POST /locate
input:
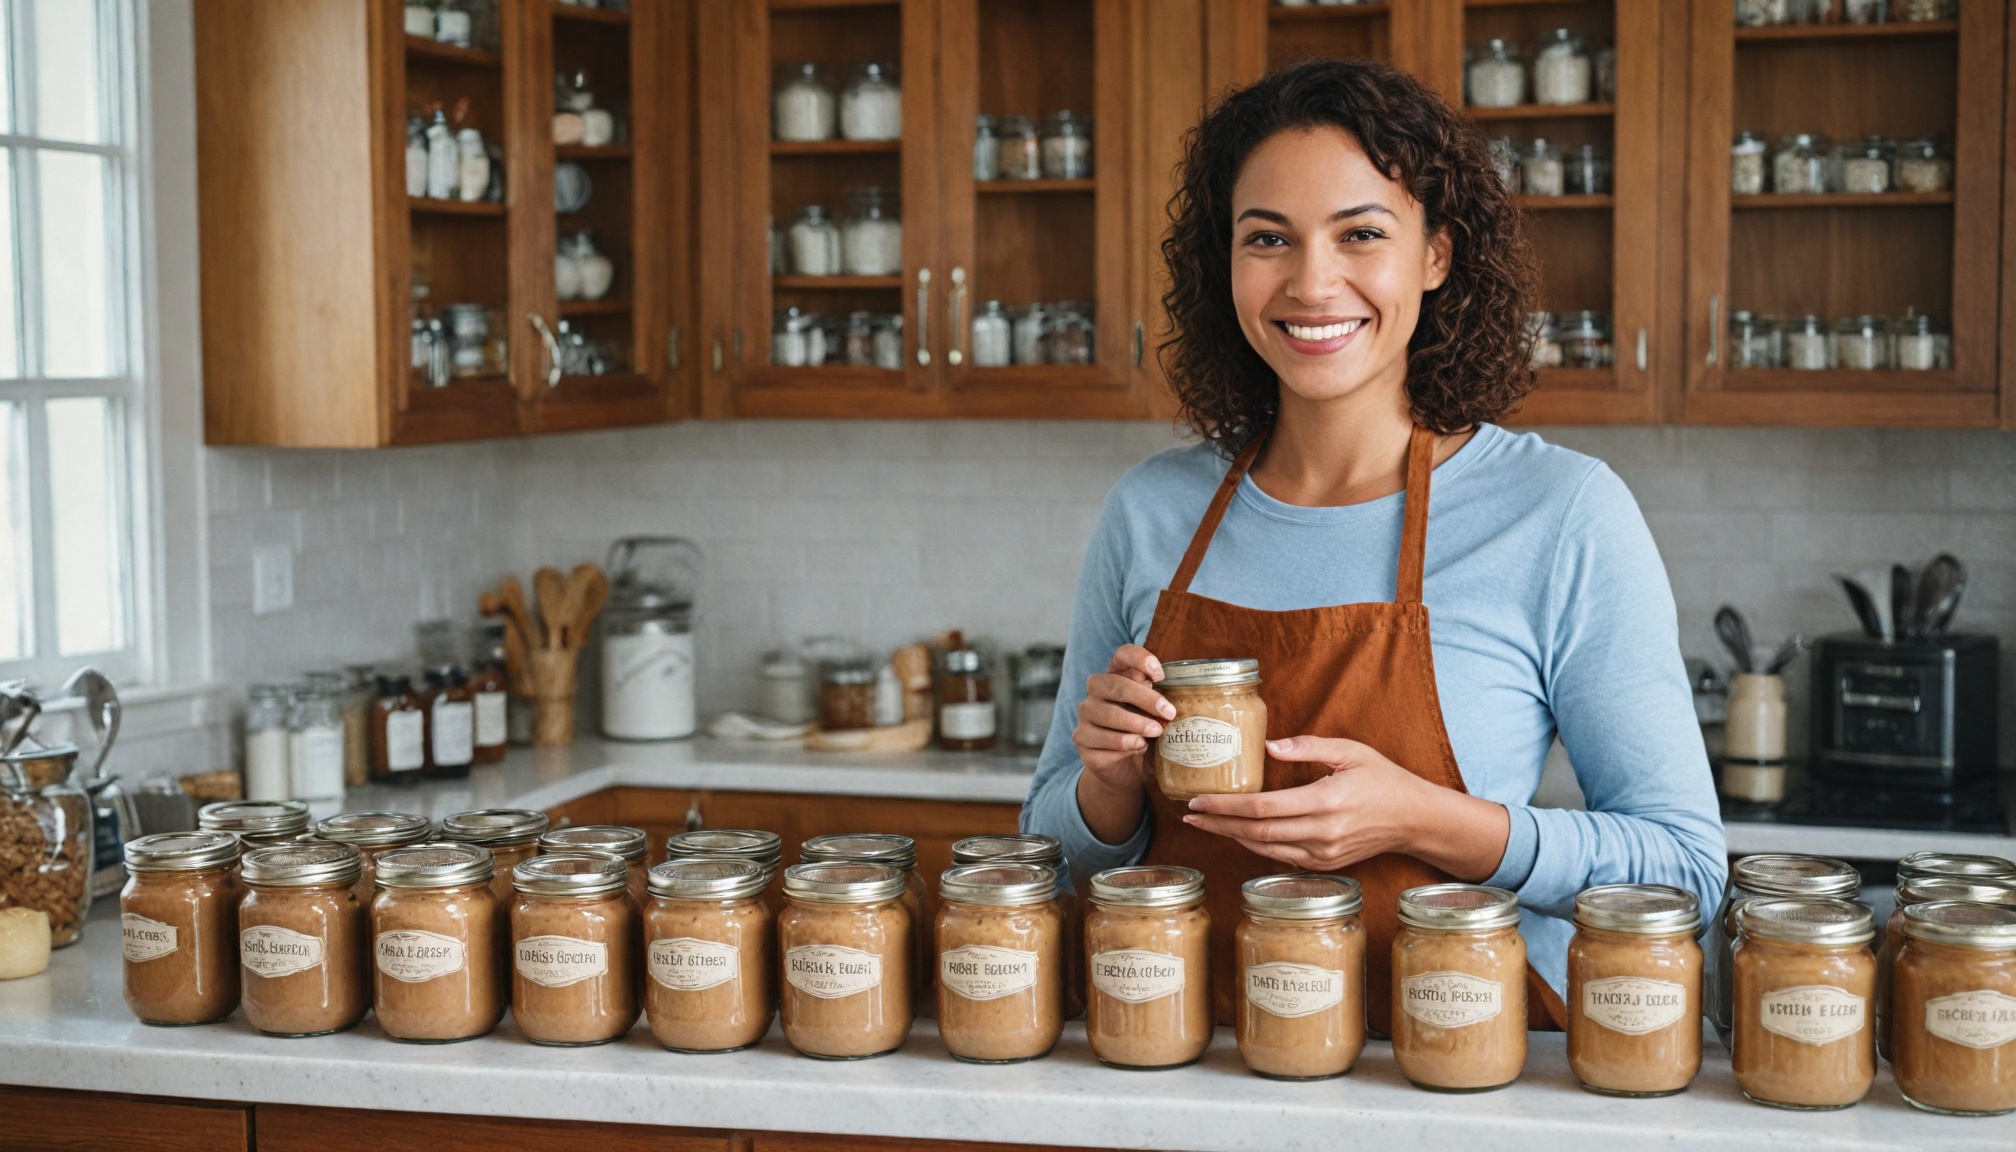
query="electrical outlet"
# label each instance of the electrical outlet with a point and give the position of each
(272, 579)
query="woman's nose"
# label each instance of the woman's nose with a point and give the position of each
(1316, 278)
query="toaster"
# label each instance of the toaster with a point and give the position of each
(1905, 715)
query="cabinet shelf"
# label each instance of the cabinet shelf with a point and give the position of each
(435, 50)
(1843, 200)
(1842, 380)
(594, 307)
(1807, 33)
(1543, 112)
(836, 283)
(1016, 187)
(790, 5)
(1556, 203)
(1524, 3)
(833, 147)
(1038, 376)
(427, 206)
(1327, 12)
(563, 11)
(592, 152)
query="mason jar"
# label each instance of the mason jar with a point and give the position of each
(1861, 343)
(1036, 848)
(1148, 955)
(1746, 164)
(628, 844)
(1863, 167)
(1921, 343)
(438, 942)
(1924, 165)
(871, 238)
(1753, 341)
(802, 106)
(710, 954)
(1802, 982)
(872, 106)
(1805, 345)
(1799, 164)
(511, 835)
(1067, 147)
(46, 839)
(1755, 877)
(575, 947)
(897, 851)
(1494, 74)
(256, 823)
(1563, 70)
(1955, 1007)
(1019, 148)
(178, 922)
(1301, 994)
(303, 939)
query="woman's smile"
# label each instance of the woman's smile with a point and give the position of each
(1320, 336)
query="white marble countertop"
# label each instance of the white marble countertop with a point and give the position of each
(69, 1028)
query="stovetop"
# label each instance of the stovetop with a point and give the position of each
(1810, 802)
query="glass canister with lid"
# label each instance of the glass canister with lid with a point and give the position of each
(1805, 344)
(709, 954)
(178, 919)
(1585, 339)
(1802, 984)
(802, 106)
(986, 150)
(1067, 147)
(1861, 343)
(1924, 165)
(1799, 164)
(1864, 167)
(1459, 988)
(993, 336)
(814, 243)
(574, 949)
(438, 939)
(1753, 340)
(627, 844)
(1148, 958)
(46, 840)
(872, 106)
(1018, 148)
(1921, 343)
(303, 939)
(511, 835)
(1634, 990)
(1563, 70)
(871, 237)
(1301, 953)
(1746, 164)
(1001, 970)
(1955, 1003)
(1036, 848)
(845, 938)
(1542, 172)
(1752, 877)
(647, 638)
(1494, 74)
(373, 834)
(1217, 741)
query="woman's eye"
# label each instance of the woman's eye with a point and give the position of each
(1266, 240)
(1358, 235)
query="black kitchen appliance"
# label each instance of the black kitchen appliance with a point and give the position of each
(1910, 716)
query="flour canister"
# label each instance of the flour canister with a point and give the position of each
(647, 639)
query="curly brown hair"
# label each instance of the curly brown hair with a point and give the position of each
(1468, 360)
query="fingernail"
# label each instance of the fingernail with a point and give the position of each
(1167, 709)
(1154, 729)
(1155, 668)
(1193, 804)
(1190, 820)
(1134, 742)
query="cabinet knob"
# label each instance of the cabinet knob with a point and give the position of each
(1642, 357)
(720, 357)
(1140, 342)
(924, 316)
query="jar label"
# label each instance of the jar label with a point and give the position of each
(1452, 999)
(1812, 1013)
(145, 939)
(966, 721)
(413, 957)
(1135, 976)
(1980, 1019)
(454, 732)
(1200, 742)
(269, 951)
(557, 961)
(1283, 989)
(685, 964)
(405, 741)
(983, 972)
(490, 722)
(1632, 1005)
(829, 971)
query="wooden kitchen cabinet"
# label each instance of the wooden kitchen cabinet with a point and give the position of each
(44, 1120)
(283, 1128)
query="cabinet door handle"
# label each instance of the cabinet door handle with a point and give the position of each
(693, 818)
(547, 338)
(672, 349)
(719, 356)
(924, 316)
(1641, 348)
(1140, 343)
(957, 302)
(1714, 328)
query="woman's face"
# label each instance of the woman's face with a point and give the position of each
(1329, 261)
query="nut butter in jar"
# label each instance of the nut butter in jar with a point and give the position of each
(574, 949)
(845, 938)
(1803, 979)
(613, 839)
(1634, 990)
(1752, 877)
(1955, 1005)
(1148, 962)
(178, 915)
(1218, 740)
(709, 955)
(1301, 954)
(1036, 848)
(1924, 889)
(511, 835)
(1000, 962)
(1459, 988)
(753, 844)
(436, 931)
(373, 834)
(302, 937)
(885, 848)
(256, 823)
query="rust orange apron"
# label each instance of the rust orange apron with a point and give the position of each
(1365, 672)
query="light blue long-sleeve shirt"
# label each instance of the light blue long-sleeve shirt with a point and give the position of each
(1550, 615)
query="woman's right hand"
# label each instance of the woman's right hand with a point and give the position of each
(1120, 714)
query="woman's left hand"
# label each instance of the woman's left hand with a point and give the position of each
(1367, 805)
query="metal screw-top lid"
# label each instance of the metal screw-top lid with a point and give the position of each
(709, 878)
(375, 829)
(254, 817)
(962, 660)
(629, 843)
(299, 865)
(181, 851)
(1001, 884)
(1458, 907)
(1021, 848)
(1921, 864)
(727, 843)
(1959, 922)
(495, 827)
(1785, 874)
(1307, 896)
(1209, 673)
(435, 866)
(843, 882)
(28, 768)
(865, 847)
(1640, 909)
(1807, 920)
(1973, 889)
(1147, 886)
(571, 874)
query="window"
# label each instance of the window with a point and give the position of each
(70, 390)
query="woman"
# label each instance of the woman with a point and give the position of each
(1348, 289)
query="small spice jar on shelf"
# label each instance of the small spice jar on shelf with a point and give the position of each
(1753, 340)
(1921, 343)
(178, 917)
(993, 336)
(802, 107)
(871, 239)
(1861, 343)
(847, 695)
(966, 713)
(1585, 339)
(1459, 988)
(887, 342)
(872, 106)
(791, 342)
(1001, 962)
(986, 150)
(1494, 74)
(1147, 943)
(1634, 990)
(1029, 324)
(1862, 166)
(1217, 741)
(1069, 336)
(574, 949)
(1799, 165)
(1766, 13)
(1067, 147)
(438, 937)
(1954, 998)
(1805, 344)
(709, 955)
(1588, 170)
(814, 243)
(1746, 164)
(1764, 877)
(303, 939)
(1924, 165)
(847, 945)
(1563, 70)
(1301, 954)
(1542, 172)
(1020, 150)
(1803, 980)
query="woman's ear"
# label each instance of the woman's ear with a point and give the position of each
(1440, 247)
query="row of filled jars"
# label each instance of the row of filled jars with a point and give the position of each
(1058, 333)
(1011, 148)
(1566, 69)
(869, 242)
(1806, 162)
(1912, 342)
(1766, 13)
(805, 107)
(801, 339)
(1543, 169)
(1570, 339)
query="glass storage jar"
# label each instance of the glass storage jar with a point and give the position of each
(398, 732)
(1799, 165)
(1069, 336)
(1459, 988)
(791, 343)
(1804, 344)
(450, 708)
(1039, 673)
(438, 941)
(1217, 741)
(1765, 13)
(967, 718)
(256, 823)
(574, 949)
(46, 839)
(647, 639)
(1803, 979)
(1588, 170)
(315, 746)
(1546, 340)
(511, 835)
(266, 742)
(1505, 159)
(1301, 954)
(993, 336)
(1753, 340)
(1067, 147)
(178, 919)
(860, 352)
(1863, 167)
(1542, 172)
(2000, 890)
(709, 954)
(802, 106)
(373, 834)
(1563, 70)
(1036, 848)
(899, 852)
(1019, 149)
(872, 106)
(1585, 339)
(1861, 343)
(1753, 877)
(1955, 1004)
(1148, 960)
(846, 942)
(1921, 343)
(1634, 990)
(847, 695)
(303, 939)
(1494, 74)
(1924, 11)
(871, 239)
(1864, 11)
(814, 242)
(1606, 73)
(1746, 164)
(627, 844)
(1029, 324)
(986, 150)
(888, 342)
(1001, 970)
(1924, 165)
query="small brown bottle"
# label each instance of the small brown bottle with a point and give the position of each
(451, 723)
(398, 732)
(965, 704)
(491, 691)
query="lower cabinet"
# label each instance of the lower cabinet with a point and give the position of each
(283, 1128)
(43, 1120)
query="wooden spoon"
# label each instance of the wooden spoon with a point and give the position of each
(588, 592)
(514, 604)
(551, 587)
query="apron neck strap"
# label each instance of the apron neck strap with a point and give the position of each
(1413, 533)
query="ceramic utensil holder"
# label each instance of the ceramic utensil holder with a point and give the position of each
(1753, 766)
